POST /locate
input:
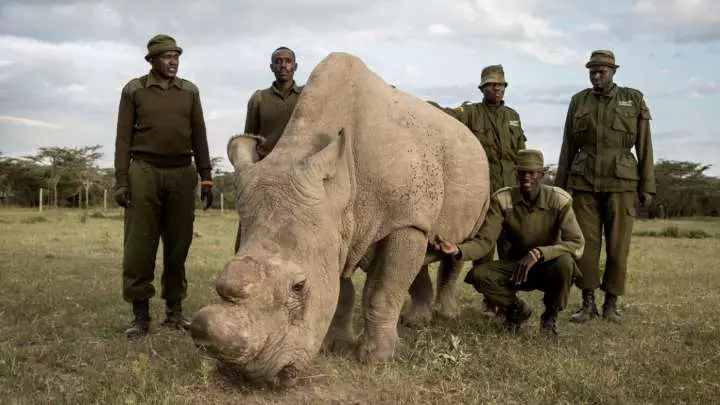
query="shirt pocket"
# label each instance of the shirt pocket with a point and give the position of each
(625, 123)
(581, 121)
(579, 163)
(626, 167)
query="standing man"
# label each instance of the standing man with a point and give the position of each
(544, 239)
(160, 128)
(269, 110)
(499, 130)
(597, 166)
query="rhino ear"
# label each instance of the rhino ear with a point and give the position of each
(242, 152)
(323, 164)
(308, 176)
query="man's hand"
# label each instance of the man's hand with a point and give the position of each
(524, 265)
(646, 199)
(122, 197)
(445, 246)
(206, 193)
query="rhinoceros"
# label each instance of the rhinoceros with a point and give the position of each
(364, 174)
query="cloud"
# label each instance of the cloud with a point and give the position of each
(553, 55)
(678, 20)
(439, 30)
(29, 122)
(63, 63)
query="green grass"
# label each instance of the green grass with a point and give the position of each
(62, 317)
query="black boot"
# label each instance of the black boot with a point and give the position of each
(610, 312)
(491, 309)
(588, 310)
(548, 322)
(174, 317)
(516, 314)
(141, 320)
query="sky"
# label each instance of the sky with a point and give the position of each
(64, 63)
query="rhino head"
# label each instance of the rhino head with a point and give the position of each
(279, 292)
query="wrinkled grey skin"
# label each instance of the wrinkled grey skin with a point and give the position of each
(363, 172)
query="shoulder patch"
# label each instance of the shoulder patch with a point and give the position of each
(504, 197)
(560, 197)
(514, 123)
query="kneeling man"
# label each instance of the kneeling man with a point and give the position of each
(544, 240)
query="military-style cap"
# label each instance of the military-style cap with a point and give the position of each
(161, 43)
(602, 57)
(492, 74)
(530, 160)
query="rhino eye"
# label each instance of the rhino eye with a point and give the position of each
(299, 286)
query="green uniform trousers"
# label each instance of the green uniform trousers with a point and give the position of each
(611, 214)
(553, 277)
(162, 205)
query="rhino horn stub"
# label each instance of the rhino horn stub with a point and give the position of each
(241, 150)
(241, 278)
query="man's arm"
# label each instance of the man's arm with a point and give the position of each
(644, 151)
(571, 238)
(567, 150)
(460, 113)
(252, 118)
(199, 139)
(486, 237)
(123, 137)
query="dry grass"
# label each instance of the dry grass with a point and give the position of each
(62, 316)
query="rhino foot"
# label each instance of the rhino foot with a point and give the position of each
(339, 341)
(376, 350)
(447, 307)
(416, 317)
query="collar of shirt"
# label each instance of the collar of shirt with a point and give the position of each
(541, 201)
(295, 88)
(610, 93)
(152, 80)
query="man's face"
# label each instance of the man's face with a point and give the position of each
(601, 76)
(283, 65)
(529, 181)
(166, 64)
(494, 92)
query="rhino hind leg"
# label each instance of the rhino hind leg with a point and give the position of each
(446, 304)
(395, 266)
(340, 337)
(419, 313)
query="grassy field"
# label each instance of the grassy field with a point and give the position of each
(62, 317)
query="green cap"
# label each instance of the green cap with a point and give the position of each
(492, 74)
(602, 57)
(530, 160)
(161, 43)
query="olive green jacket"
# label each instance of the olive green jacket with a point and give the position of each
(499, 130)
(600, 131)
(548, 224)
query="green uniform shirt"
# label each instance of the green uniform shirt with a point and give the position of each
(499, 130)
(163, 127)
(268, 112)
(600, 130)
(548, 224)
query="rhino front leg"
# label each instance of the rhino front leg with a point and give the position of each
(398, 261)
(446, 303)
(340, 337)
(421, 293)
